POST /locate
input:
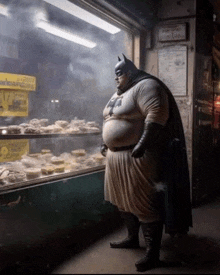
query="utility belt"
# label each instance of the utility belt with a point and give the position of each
(123, 148)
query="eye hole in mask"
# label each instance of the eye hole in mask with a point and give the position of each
(119, 73)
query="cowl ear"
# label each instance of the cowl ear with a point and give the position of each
(119, 59)
(125, 58)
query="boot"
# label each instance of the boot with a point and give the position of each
(132, 223)
(152, 235)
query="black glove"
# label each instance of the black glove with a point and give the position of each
(148, 138)
(103, 149)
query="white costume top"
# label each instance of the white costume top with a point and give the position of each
(131, 183)
(124, 115)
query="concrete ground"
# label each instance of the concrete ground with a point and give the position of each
(197, 253)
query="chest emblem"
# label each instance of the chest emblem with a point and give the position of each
(114, 102)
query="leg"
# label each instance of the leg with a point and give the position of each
(152, 235)
(132, 223)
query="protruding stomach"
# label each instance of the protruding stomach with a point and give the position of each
(118, 133)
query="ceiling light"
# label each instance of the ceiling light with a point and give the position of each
(4, 10)
(84, 15)
(65, 34)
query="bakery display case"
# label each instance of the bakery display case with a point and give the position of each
(36, 151)
(57, 64)
(66, 157)
(56, 75)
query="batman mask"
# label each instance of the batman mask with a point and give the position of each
(123, 66)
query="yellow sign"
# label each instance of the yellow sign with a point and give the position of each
(17, 82)
(11, 150)
(13, 103)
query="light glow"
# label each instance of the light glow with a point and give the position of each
(4, 10)
(64, 34)
(88, 17)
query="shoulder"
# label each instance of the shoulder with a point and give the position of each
(149, 86)
(149, 83)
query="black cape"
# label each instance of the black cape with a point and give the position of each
(175, 173)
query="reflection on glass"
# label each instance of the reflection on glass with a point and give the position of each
(65, 34)
(82, 14)
(4, 10)
(73, 83)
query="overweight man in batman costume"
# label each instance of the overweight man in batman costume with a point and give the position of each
(146, 173)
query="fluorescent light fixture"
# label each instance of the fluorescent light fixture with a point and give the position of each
(90, 18)
(64, 34)
(4, 10)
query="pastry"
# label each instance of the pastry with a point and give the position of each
(57, 129)
(45, 151)
(99, 158)
(44, 122)
(16, 177)
(32, 130)
(73, 130)
(32, 173)
(93, 129)
(35, 122)
(29, 161)
(47, 129)
(62, 123)
(3, 175)
(34, 155)
(24, 125)
(57, 160)
(46, 157)
(59, 169)
(14, 129)
(78, 152)
(47, 170)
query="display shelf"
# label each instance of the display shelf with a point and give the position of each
(33, 136)
(49, 179)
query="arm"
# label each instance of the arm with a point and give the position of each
(152, 101)
(149, 136)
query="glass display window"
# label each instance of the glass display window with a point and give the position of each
(56, 75)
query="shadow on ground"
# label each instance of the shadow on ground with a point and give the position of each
(43, 257)
(192, 252)
(189, 254)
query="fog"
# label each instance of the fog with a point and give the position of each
(80, 78)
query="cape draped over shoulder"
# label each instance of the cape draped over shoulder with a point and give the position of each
(177, 212)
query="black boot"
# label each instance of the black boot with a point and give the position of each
(132, 223)
(152, 234)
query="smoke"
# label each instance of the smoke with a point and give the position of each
(81, 78)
